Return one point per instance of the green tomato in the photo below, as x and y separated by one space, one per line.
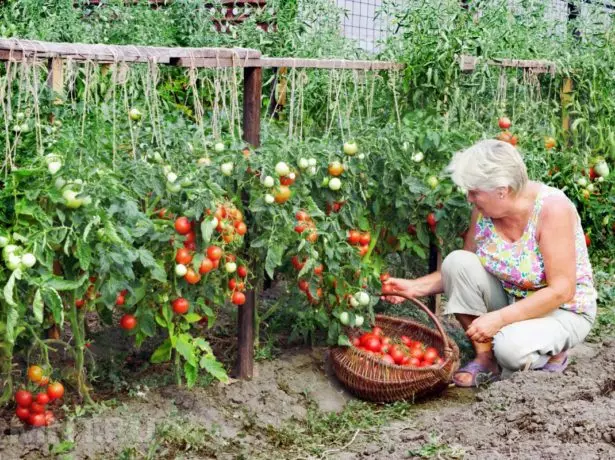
173 188
9 249
358 320
13 262
28 260
345 318
72 202
4 241
350 148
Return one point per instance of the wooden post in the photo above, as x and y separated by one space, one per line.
252 89
566 97
435 262
55 80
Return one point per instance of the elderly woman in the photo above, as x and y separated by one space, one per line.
522 286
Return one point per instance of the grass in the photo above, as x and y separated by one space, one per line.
322 431
435 449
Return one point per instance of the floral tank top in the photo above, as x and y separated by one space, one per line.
520 267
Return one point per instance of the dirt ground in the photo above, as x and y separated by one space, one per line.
532 415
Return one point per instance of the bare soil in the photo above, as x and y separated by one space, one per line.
532 415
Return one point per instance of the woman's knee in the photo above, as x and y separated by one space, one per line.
459 261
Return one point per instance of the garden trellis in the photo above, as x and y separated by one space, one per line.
57 56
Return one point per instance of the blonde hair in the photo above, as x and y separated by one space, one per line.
487 165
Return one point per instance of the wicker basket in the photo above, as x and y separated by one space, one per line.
369 378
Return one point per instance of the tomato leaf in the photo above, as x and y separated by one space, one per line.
214 367
54 302
343 341
84 254
185 348
38 306
147 323
192 317
422 235
202 345
274 258
61 284
10 287
157 269
162 353
11 322
190 372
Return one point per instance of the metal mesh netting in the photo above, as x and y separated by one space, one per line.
364 21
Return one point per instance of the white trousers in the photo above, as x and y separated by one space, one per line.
471 290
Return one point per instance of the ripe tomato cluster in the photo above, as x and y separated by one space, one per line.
304 284
402 352
32 408
228 221
305 224
504 123
360 239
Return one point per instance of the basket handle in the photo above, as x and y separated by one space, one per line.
434 319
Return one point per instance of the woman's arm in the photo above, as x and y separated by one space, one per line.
556 240
429 284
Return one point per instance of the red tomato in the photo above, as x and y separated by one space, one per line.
191 276
22 413
319 269
356 342
214 252
183 225
43 381
23 398
431 354
397 355
240 228
354 237
183 256
365 238
406 340
366 337
206 266
376 330
190 237
42 398
287 180
373 344
55 390
128 322
242 271
37 420
79 303
363 250
300 228
385 340
302 216
296 263
411 229
504 122
417 353
304 285
181 306
49 418
405 361
388 359
120 300
36 408
415 362
588 240
238 298
431 221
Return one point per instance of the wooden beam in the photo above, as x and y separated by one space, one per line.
328 64
252 90
17 49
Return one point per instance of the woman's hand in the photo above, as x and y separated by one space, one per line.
394 286
485 327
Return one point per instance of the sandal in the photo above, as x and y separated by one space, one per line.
556 367
480 375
